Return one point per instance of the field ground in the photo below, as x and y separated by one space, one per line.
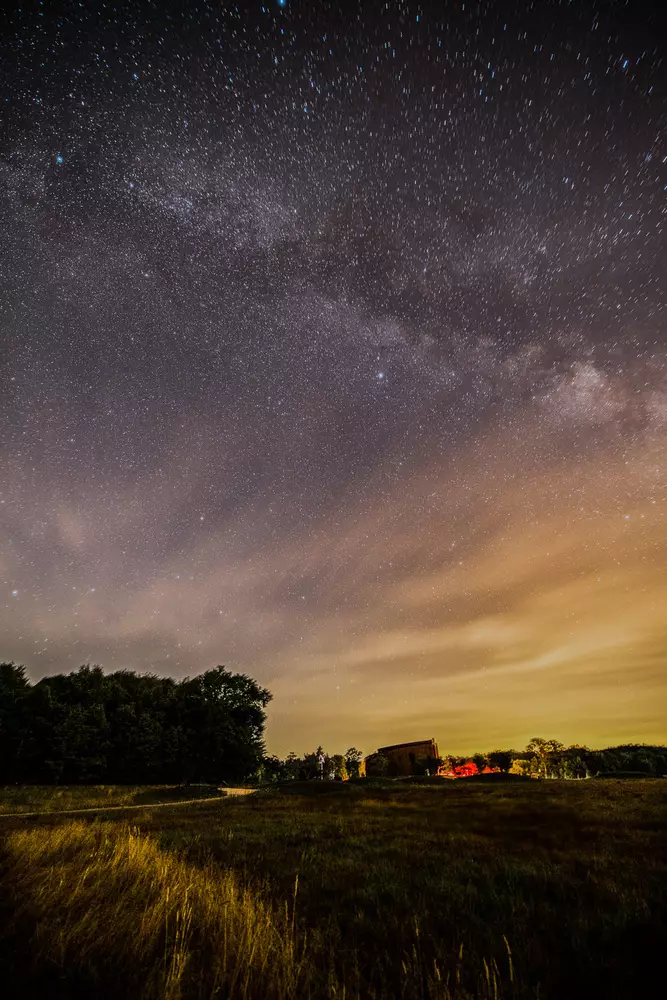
551 890
54 798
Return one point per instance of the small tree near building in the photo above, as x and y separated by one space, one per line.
339 767
353 759
377 765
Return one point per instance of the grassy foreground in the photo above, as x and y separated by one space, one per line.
55 798
447 890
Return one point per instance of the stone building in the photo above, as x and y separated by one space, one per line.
405 758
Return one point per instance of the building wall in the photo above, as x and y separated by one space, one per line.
402 757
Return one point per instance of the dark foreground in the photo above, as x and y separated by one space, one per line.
454 889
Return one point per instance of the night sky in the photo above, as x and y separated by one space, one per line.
334 350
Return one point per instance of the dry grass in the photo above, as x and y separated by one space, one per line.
106 898
112 912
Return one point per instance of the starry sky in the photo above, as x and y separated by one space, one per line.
334 349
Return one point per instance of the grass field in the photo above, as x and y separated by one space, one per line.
551 890
54 798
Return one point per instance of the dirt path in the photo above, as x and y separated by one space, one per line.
141 805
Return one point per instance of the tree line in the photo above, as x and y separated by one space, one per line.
541 758
128 728
90 727
551 759
317 764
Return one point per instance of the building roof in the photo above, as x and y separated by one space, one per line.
403 746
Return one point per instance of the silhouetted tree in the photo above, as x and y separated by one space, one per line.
271 771
292 767
353 759
547 756
502 759
14 721
222 715
427 765
377 765
338 767
88 726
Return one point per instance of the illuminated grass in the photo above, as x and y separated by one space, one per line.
105 898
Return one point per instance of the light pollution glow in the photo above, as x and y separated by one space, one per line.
486 600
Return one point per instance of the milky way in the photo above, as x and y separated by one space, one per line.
335 350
